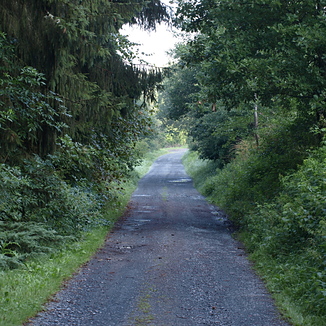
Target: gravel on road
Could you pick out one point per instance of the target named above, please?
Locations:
(171, 260)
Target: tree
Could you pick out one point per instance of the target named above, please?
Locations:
(84, 59)
(25, 109)
(262, 57)
(72, 109)
(266, 49)
(212, 130)
(179, 89)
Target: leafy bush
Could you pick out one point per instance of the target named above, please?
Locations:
(253, 177)
(293, 230)
(282, 220)
(297, 216)
(35, 199)
(11, 199)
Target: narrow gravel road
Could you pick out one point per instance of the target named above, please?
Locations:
(170, 261)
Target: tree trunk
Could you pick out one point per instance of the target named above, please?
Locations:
(256, 120)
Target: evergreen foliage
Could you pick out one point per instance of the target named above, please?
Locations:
(84, 59)
(73, 108)
(20, 241)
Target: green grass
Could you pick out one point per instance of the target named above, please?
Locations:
(24, 291)
(290, 287)
(293, 275)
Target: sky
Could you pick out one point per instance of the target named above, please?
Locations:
(155, 43)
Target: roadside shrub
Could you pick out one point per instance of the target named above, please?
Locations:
(68, 208)
(285, 232)
(21, 241)
(292, 231)
(12, 201)
(254, 177)
(38, 210)
(200, 170)
(208, 139)
(297, 216)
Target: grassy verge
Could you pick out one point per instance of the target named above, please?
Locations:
(293, 271)
(23, 291)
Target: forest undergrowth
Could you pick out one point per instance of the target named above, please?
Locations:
(283, 226)
(28, 280)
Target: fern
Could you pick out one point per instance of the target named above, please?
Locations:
(23, 240)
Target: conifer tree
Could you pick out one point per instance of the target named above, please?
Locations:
(84, 59)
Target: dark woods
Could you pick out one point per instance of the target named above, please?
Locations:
(73, 109)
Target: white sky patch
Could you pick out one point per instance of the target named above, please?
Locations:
(154, 44)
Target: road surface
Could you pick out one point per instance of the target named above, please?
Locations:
(170, 261)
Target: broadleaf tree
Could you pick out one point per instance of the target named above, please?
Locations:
(260, 59)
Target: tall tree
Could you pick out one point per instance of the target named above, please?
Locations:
(84, 59)
(268, 49)
(261, 56)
